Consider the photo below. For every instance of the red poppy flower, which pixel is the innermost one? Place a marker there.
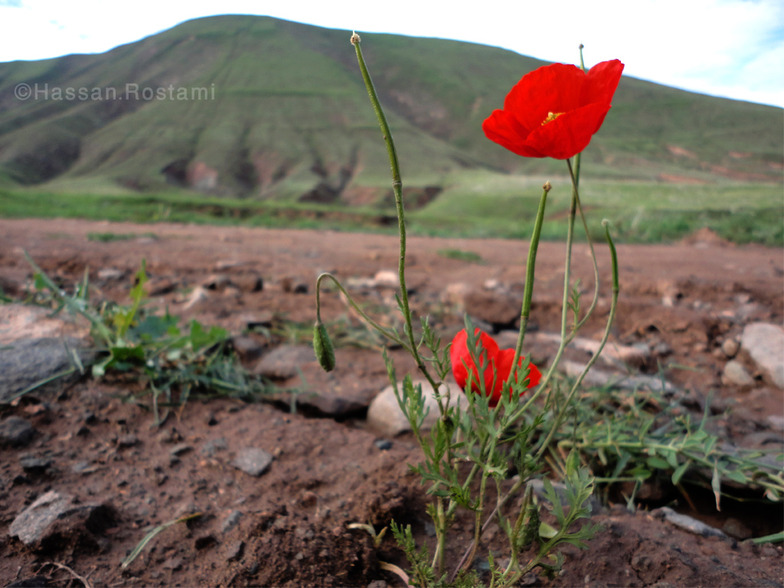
(495, 363)
(554, 110)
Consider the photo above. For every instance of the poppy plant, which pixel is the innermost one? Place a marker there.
(495, 363)
(554, 111)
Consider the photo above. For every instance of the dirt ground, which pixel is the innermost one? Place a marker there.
(290, 525)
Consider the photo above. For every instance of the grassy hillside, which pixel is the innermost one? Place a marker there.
(237, 116)
(283, 113)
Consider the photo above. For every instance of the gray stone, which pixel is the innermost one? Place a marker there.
(687, 523)
(213, 446)
(385, 417)
(602, 378)
(764, 343)
(284, 362)
(231, 521)
(32, 523)
(25, 363)
(16, 432)
(33, 464)
(253, 461)
(735, 373)
(56, 514)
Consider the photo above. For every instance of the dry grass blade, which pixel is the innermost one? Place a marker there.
(152, 534)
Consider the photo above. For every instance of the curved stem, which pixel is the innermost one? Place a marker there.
(575, 175)
(387, 332)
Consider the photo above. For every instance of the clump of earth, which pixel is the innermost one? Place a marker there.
(276, 491)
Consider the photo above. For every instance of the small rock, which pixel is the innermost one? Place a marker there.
(231, 521)
(248, 349)
(735, 373)
(252, 461)
(730, 347)
(776, 422)
(383, 444)
(261, 320)
(111, 273)
(764, 343)
(16, 432)
(455, 294)
(686, 522)
(284, 362)
(211, 447)
(180, 449)
(385, 417)
(602, 378)
(386, 279)
(234, 550)
(34, 465)
(58, 515)
(31, 524)
(28, 362)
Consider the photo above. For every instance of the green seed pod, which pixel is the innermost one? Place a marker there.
(531, 529)
(322, 345)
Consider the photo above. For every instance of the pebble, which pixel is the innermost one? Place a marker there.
(231, 521)
(764, 342)
(730, 347)
(735, 373)
(16, 432)
(31, 524)
(252, 461)
(284, 362)
(385, 417)
(33, 464)
(383, 444)
(687, 523)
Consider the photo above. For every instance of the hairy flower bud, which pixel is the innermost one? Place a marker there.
(322, 346)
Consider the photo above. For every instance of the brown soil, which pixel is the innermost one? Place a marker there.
(290, 525)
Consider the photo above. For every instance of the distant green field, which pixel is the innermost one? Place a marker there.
(473, 205)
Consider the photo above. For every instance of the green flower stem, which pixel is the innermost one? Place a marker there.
(565, 337)
(397, 186)
(529, 274)
(575, 175)
(602, 343)
(385, 331)
(440, 521)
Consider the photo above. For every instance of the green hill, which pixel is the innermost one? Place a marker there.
(255, 111)
(262, 108)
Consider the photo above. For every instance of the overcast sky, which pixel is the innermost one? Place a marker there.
(728, 48)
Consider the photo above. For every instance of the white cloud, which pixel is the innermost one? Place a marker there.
(732, 48)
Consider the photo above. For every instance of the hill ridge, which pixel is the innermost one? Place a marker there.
(257, 107)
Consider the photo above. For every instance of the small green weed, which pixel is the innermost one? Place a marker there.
(139, 343)
(636, 437)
